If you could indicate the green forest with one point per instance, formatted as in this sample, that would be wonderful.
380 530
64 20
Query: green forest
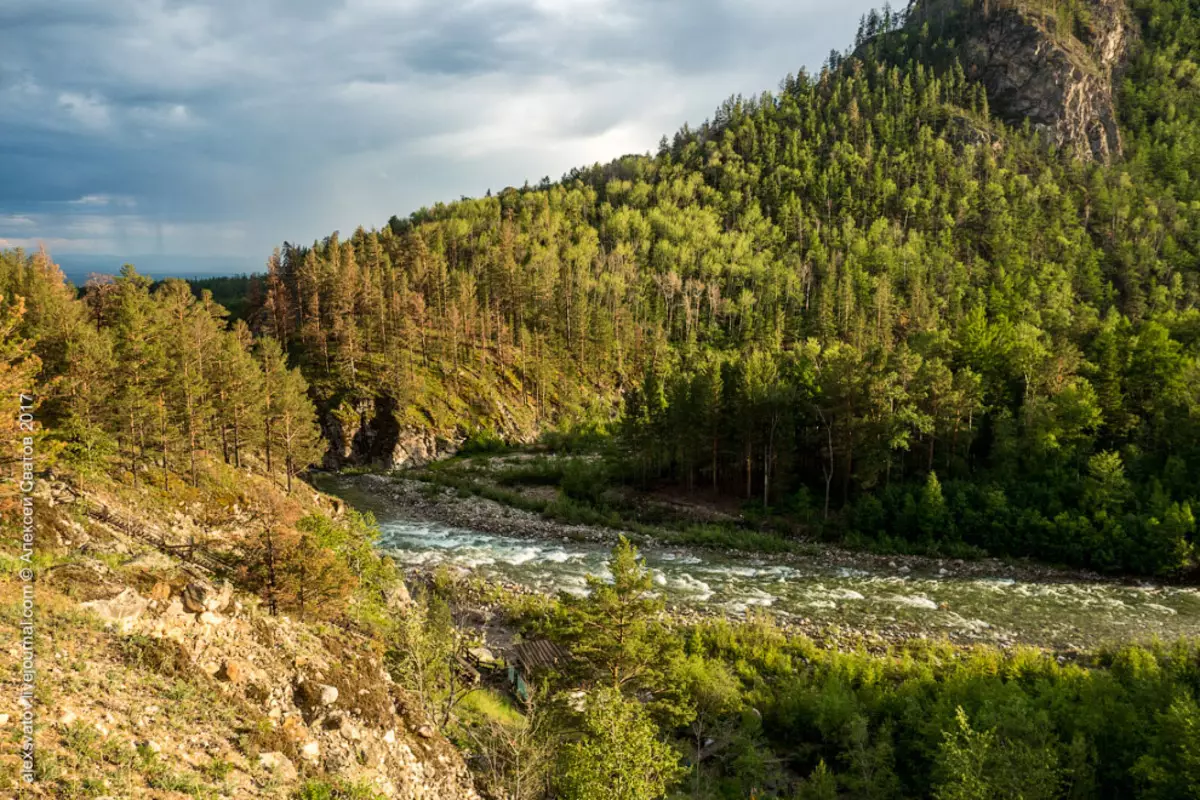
862 299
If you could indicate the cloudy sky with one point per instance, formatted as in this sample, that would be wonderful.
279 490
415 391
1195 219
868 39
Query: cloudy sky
223 128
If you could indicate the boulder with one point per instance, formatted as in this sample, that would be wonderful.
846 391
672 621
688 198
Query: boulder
193 597
122 610
220 602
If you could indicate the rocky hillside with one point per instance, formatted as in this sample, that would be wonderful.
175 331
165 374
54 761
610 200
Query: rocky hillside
159 679
1050 64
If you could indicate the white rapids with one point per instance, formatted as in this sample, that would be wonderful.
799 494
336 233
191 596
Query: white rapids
991 608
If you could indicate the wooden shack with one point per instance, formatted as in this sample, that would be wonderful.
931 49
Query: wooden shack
527 659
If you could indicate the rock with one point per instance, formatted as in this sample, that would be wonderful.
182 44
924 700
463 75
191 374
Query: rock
367 432
426 732
209 618
122 610
3 719
232 671
193 597
220 602
279 764
67 719
153 746
161 592
328 694
293 728
398 597
1059 80
482 655
311 751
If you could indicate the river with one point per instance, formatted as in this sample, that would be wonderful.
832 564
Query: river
876 597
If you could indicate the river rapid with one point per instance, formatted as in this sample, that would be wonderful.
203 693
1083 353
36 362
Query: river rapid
878 598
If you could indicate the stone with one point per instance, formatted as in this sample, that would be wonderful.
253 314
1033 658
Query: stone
311 751
153 746
328 694
3 719
278 764
232 671
426 732
1032 71
161 592
398 597
209 618
482 655
220 602
193 597
122 610
67 719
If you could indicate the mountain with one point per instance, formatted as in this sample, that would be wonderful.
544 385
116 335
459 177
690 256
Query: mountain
965 248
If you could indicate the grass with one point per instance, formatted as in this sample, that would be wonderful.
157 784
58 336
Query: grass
335 790
489 704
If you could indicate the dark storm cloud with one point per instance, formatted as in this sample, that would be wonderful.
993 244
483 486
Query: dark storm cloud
225 127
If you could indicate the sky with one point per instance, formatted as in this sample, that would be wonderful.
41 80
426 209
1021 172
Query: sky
216 131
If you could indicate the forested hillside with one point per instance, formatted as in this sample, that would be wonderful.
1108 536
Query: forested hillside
152 380
862 296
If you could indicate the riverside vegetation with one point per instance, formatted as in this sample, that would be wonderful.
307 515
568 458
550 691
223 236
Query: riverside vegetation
876 306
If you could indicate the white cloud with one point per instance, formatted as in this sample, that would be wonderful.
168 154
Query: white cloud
102 200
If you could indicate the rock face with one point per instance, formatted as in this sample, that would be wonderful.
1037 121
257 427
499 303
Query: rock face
1051 69
369 434
323 698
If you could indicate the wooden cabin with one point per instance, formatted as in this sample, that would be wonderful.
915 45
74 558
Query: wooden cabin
527 659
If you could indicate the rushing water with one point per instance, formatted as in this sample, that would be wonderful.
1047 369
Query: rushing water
885 600
965 608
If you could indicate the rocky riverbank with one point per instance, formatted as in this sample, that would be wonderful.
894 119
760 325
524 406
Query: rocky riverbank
417 500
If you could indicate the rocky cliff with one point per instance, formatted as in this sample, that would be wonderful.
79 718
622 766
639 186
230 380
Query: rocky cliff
1053 64
157 679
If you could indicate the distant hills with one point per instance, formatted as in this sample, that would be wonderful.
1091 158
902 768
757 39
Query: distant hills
77 266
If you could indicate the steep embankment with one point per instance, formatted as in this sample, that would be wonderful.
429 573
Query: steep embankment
158 678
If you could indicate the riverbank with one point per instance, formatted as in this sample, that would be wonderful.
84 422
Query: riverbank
420 500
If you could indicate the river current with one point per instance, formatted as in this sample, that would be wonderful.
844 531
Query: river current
934 602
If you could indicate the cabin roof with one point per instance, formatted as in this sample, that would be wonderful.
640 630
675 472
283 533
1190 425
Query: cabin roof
539 653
